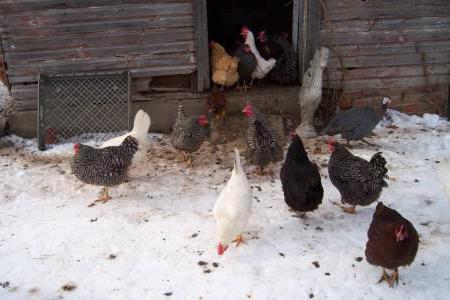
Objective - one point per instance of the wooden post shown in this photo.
(308, 32)
(201, 45)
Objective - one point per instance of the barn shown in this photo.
(399, 49)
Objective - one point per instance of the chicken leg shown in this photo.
(104, 196)
(239, 240)
(349, 209)
(189, 160)
(390, 279)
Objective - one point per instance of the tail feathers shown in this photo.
(141, 126)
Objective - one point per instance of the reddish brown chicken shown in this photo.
(217, 104)
(393, 242)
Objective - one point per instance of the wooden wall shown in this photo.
(399, 49)
(149, 38)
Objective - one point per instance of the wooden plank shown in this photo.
(381, 3)
(10, 6)
(99, 26)
(366, 25)
(295, 26)
(135, 72)
(391, 71)
(393, 48)
(98, 39)
(390, 60)
(201, 43)
(398, 82)
(391, 11)
(351, 38)
(113, 50)
(310, 32)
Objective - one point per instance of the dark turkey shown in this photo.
(104, 166)
(188, 134)
(355, 123)
(359, 182)
(262, 143)
(392, 242)
(300, 179)
(286, 68)
(247, 64)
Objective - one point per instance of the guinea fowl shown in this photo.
(356, 123)
(300, 179)
(262, 143)
(392, 242)
(359, 182)
(246, 66)
(286, 68)
(188, 134)
(104, 166)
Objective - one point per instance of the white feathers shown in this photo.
(140, 129)
(234, 204)
(263, 67)
(443, 171)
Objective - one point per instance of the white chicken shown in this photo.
(443, 171)
(140, 130)
(233, 207)
(263, 67)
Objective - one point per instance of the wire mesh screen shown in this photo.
(71, 105)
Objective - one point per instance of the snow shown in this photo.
(156, 234)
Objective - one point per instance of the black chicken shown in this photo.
(393, 242)
(267, 47)
(247, 64)
(105, 166)
(262, 143)
(300, 179)
(359, 182)
(286, 68)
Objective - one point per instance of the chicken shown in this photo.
(443, 171)
(247, 64)
(263, 67)
(188, 134)
(286, 68)
(267, 47)
(233, 207)
(359, 182)
(393, 242)
(355, 123)
(103, 166)
(262, 143)
(140, 132)
(224, 68)
(300, 179)
(217, 104)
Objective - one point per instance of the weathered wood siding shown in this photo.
(149, 38)
(399, 49)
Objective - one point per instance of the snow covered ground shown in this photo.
(156, 238)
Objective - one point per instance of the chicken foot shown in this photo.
(390, 279)
(104, 196)
(239, 240)
(347, 209)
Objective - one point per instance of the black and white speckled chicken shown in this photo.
(359, 182)
(104, 166)
(286, 68)
(300, 179)
(262, 143)
(188, 134)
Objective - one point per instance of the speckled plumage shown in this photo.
(359, 182)
(187, 134)
(104, 166)
(262, 143)
(286, 68)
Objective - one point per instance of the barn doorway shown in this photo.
(275, 17)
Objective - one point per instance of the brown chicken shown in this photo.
(393, 242)
(224, 67)
(217, 104)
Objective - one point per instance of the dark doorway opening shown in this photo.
(226, 18)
